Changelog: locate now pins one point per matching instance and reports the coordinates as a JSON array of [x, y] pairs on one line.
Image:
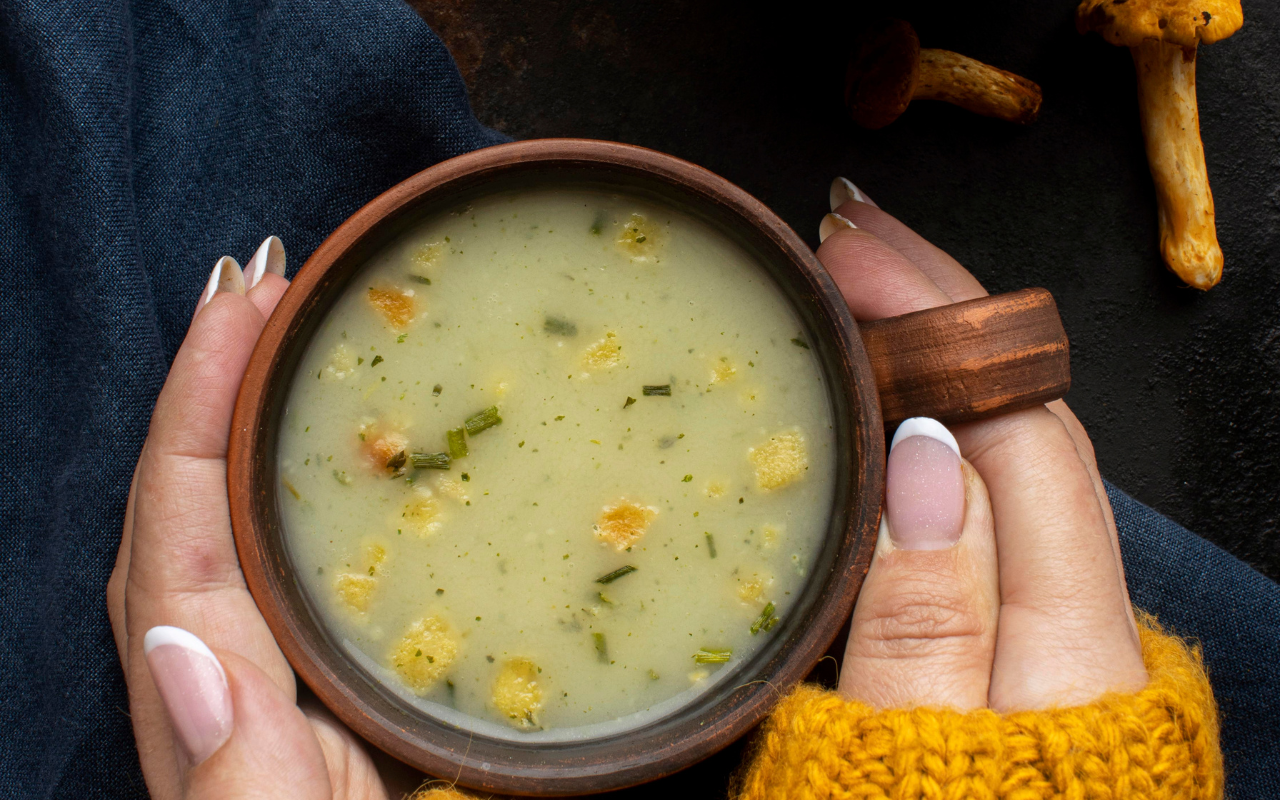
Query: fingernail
[[269, 258], [924, 487], [226, 277], [843, 190], [193, 687], [832, 223]]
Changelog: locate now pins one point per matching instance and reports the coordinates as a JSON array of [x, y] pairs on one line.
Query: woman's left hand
[[222, 720]]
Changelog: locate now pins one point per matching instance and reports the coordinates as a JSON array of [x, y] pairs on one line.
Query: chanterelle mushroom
[[889, 70], [1163, 36]]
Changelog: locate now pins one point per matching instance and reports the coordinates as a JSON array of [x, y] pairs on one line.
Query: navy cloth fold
[[140, 141]]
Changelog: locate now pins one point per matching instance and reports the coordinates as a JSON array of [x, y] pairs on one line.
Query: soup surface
[[639, 453]]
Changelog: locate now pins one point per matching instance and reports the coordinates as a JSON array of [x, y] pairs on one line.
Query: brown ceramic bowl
[[955, 363]]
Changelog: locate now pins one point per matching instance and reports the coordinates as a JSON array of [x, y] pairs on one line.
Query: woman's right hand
[[997, 580]]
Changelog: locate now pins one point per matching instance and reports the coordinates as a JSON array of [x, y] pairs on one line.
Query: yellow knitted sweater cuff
[[1160, 742]]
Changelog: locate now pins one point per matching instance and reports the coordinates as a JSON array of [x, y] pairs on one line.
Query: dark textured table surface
[[1180, 389]]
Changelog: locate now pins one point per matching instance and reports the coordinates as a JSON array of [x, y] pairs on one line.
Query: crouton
[[752, 589], [715, 489], [422, 514], [722, 370], [451, 488], [639, 238], [517, 693], [424, 653], [623, 524], [603, 354], [396, 305], [355, 590], [425, 261], [780, 461], [341, 363]]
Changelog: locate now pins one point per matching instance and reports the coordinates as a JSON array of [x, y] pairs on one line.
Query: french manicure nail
[[843, 190], [192, 686], [924, 487], [226, 277], [269, 258], [832, 223]]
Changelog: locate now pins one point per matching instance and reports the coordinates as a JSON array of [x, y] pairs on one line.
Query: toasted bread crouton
[[639, 238], [715, 489], [623, 524], [396, 305], [422, 514], [383, 447], [451, 488], [425, 261], [780, 461], [374, 554], [722, 370], [603, 354], [424, 653], [517, 693], [341, 363], [752, 589], [355, 590]]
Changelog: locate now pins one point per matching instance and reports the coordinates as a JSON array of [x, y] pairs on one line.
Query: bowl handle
[[970, 360]]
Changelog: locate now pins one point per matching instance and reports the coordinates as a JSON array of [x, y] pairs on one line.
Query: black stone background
[[1179, 389]]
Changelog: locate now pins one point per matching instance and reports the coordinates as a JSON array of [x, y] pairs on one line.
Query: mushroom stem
[[1171, 129], [977, 87]]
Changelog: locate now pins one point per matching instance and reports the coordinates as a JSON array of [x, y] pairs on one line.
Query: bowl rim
[[735, 714]]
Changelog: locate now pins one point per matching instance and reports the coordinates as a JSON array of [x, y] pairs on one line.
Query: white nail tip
[[270, 257], [831, 223], [167, 634], [925, 426], [226, 277], [842, 191]]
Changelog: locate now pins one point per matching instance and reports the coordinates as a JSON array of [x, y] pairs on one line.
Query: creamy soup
[[556, 462]]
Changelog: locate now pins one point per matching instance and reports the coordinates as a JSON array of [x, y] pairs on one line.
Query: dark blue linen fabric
[[141, 140]]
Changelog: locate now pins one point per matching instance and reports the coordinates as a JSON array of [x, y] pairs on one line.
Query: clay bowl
[[960, 362]]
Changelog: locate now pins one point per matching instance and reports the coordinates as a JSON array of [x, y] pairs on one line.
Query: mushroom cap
[[882, 74], [1186, 23]]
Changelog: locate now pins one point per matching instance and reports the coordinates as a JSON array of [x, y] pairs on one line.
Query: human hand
[[220, 723], [996, 581]]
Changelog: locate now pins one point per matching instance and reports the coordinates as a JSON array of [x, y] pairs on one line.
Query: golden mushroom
[[1163, 35], [889, 69]]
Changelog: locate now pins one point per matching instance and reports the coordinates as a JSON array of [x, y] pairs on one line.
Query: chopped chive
[[705, 656], [711, 544], [597, 224], [602, 649], [768, 626], [421, 279], [800, 343], [430, 460], [400, 339], [436, 390], [376, 361], [686, 479], [604, 598], [657, 391], [457, 439], [482, 420], [558, 326], [763, 619], [396, 461], [630, 402], [617, 573]]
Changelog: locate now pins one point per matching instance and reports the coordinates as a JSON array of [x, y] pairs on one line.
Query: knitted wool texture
[[1158, 743]]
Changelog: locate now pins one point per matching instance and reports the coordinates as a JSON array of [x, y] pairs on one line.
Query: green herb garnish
[[558, 326], [430, 460], [376, 361], [800, 343], [711, 544], [617, 573], [482, 420], [686, 479], [436, 390], [657, 391], [396, 462], [765, 621], [705, 656], [602, 649], [457, 439], [630, 402], [421, 279]]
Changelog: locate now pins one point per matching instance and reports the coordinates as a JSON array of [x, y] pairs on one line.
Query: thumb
[[238, 734], [924, 627]]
